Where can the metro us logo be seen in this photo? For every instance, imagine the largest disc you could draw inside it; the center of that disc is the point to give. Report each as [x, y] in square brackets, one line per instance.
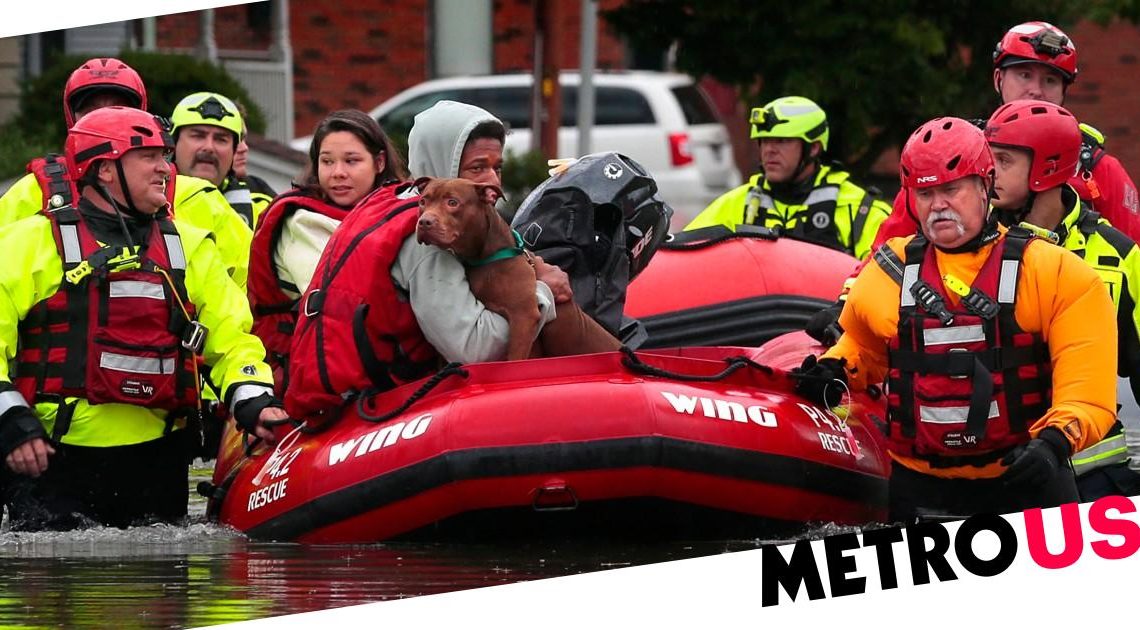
[721, 409]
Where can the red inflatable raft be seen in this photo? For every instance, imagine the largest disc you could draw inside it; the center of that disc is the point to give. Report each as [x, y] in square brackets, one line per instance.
[700, 442]
[717, 287]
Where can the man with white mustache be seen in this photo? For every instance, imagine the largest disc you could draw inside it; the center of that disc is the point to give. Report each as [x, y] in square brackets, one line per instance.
[941, 216]
[998, 348]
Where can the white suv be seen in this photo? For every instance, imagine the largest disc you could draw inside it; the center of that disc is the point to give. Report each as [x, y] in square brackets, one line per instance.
[661, 120]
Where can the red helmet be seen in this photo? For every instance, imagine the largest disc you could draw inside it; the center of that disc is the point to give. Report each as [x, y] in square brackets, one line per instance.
[1038, 42]
[1048, 132]
[103, 74]
[109, 132]
[943, 150]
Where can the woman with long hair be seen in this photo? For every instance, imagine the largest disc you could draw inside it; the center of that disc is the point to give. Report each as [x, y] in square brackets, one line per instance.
[350, 157]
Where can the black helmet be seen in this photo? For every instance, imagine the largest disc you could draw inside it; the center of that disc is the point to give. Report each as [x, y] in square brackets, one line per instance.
[619, 191]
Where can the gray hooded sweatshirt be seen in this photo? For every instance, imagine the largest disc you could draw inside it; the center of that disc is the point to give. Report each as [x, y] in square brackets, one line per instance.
[438, 136]
[451, 318]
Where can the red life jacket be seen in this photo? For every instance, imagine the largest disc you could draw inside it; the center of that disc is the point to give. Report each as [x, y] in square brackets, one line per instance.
[113, 332]
[965, 382]
[53, 172]
[356, 332]
[274, 312]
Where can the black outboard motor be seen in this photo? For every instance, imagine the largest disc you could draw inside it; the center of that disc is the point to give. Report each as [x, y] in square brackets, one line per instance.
[600, 220]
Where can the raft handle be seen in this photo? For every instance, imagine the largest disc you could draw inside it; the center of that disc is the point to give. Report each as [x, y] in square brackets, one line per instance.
[554, 496]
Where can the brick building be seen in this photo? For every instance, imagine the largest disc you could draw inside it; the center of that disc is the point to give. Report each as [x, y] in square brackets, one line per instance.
[1104, 94]
[358, 54]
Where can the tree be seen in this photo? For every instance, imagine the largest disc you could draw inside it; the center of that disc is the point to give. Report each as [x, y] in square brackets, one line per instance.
[879, 68]
[40, 128]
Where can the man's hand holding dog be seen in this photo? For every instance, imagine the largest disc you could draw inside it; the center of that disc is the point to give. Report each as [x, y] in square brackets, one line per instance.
[555, 278]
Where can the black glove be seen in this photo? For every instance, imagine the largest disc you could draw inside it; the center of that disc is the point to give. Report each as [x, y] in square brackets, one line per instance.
[19, 425]
[815, 380]
[824, 325]
[1037, 462]
[247, 411]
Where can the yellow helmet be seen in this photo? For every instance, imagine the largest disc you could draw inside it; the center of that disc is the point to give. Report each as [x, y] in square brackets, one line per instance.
[208, 108]
[790, 117]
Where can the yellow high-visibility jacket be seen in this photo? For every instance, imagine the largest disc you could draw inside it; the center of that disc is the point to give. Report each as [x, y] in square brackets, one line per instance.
[235, 357]
[837, 213]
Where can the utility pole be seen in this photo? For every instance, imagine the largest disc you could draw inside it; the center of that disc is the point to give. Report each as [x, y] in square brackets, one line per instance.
[589, 57]
[546, 102]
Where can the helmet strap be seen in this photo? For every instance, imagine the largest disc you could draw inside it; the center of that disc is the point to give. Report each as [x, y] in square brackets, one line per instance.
[806, 159]
[120, 209]
[130, 209]
[792, 191]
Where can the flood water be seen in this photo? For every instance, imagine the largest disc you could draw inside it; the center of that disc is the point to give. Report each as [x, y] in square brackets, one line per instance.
[171, 577]
[199, 575]
[177, 577]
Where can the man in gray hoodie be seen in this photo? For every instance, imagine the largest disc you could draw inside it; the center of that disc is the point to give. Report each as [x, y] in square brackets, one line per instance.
[453, 139]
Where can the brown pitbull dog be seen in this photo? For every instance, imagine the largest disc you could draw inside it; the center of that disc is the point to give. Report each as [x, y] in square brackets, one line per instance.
[459, 215]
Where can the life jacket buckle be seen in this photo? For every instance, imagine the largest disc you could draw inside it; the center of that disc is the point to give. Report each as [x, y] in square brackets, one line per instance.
[981, 305]
[958, 350]
[194, 338]
[931, 302]
[313, 302]
[105, 260]
[79, 272]
[125, 260]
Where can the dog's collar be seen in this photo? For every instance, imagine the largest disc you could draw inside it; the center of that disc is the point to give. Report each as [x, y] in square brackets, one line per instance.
[502, 254]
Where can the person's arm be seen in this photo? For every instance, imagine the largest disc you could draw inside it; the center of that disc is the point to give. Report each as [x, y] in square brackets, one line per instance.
[456, 324]
[260, 202]
[303, 239]
[1077, 320]
[23, 441]
[235, 357]
[202, 205]
[866, 326]
[859, 357]
[1128, 322]
[898, 223]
